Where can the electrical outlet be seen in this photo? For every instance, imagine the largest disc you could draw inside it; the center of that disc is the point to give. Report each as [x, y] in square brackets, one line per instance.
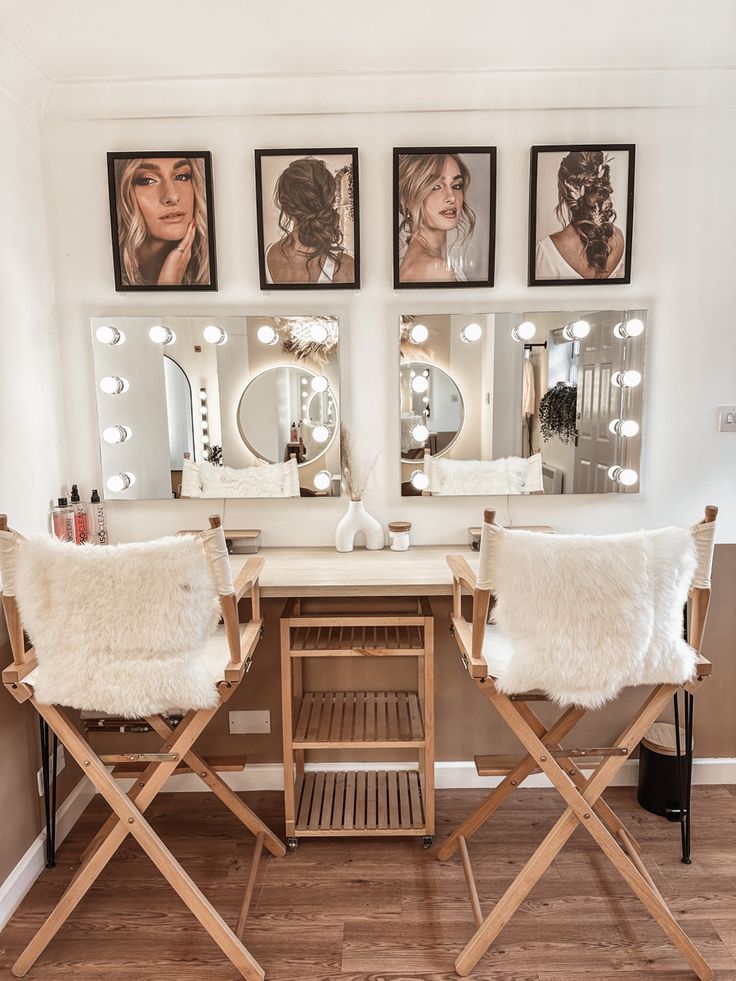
[727, 418]
[242, 722]
[60, 764]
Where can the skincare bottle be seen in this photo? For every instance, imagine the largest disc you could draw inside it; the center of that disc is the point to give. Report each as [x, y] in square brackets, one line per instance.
[99, 521]
[81, 518]
[62, 519]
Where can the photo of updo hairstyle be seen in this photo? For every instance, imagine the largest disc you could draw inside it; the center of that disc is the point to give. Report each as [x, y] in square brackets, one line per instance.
[305, 198]
[585, 201]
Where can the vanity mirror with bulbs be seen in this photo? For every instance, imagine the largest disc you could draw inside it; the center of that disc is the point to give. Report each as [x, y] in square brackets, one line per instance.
[510, 403]
[224, 407]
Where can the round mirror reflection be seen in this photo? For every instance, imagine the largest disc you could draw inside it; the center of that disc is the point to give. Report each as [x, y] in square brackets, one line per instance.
[432, 410]
[287, 411]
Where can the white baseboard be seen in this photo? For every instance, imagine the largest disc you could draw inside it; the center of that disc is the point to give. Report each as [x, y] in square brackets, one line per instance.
[25, 873]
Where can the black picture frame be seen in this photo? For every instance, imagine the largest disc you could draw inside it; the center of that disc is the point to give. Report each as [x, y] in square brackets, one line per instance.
[205, 258]
[352, 186]
[610, 150]
[487, 279]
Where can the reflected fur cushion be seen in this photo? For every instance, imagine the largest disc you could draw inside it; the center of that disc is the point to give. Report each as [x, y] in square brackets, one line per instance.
[119, 629]
[270, 480]
[587, 615]
[506, 475]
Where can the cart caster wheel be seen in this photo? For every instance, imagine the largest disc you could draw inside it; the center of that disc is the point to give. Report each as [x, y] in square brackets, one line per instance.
[426, 841]
[292, 844]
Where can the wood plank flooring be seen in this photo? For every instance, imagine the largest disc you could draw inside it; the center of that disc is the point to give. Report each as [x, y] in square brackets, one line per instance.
[385, 909]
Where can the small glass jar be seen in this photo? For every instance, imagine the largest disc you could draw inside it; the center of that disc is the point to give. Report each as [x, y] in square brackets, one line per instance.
[398, 535]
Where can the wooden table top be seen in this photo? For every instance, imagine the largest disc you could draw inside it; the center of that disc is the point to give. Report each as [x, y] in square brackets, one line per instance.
[299, 571]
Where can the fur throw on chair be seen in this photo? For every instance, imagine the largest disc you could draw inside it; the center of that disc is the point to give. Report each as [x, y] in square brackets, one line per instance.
[588, 615]
[119, 629]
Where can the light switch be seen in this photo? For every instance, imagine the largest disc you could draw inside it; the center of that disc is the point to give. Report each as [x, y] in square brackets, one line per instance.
[727, 418]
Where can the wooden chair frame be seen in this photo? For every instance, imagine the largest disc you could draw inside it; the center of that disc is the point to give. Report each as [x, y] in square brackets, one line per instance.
[129, 809]
[582, 795]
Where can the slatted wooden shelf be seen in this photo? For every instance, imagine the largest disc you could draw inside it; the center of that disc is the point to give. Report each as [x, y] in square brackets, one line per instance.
[357, 640]
[355, 718]
[383, 802]
[230, 764]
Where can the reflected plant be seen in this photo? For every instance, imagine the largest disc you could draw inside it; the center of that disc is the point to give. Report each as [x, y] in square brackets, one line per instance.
[214, 455]
[558, 413]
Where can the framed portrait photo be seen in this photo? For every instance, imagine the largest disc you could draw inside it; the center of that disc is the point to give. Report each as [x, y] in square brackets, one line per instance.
[444, 216]
[308, 219]
[581, 212]
[162, 218]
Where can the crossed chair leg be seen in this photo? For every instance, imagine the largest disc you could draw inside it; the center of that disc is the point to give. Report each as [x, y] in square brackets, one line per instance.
[585, 807]
[128, 818]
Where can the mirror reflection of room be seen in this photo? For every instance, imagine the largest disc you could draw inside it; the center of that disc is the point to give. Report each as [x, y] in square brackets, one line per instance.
[218, 407]
[508, 403]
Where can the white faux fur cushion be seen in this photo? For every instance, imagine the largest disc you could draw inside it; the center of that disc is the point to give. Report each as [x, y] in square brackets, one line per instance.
[191, 479]
[270, 480]
[507, 475]
[119, 629]
[587, 615]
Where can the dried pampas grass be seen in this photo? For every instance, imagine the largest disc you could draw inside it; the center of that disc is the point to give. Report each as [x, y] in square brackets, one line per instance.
[355, 475]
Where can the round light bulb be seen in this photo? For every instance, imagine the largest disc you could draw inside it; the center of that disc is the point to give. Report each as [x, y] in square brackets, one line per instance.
[419, 480]
[420, 383]
[160, 334]
[109, 335]
[419, 433]
[624, 427]
[418, 334]
[524, 332]
[113, 385]
[321, 434]
[576, 331]
[471, 333]
[116, 434]
[214, 334]
[621, 476]
[120, 482]
[626, 379]
[629, 328]
[318, 333]
[267, 335]
[319, 384]
[322, 480]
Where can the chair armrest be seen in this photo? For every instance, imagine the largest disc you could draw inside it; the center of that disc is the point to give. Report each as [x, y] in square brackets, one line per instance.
[462, 572]
[248, 577]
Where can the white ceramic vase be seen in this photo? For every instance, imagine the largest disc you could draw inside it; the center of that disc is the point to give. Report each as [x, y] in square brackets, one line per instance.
[352, 523]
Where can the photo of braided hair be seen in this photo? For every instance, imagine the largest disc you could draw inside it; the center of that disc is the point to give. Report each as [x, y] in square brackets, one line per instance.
[585, 200]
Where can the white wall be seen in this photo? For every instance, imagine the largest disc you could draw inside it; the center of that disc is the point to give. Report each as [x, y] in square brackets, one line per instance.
[682, 258]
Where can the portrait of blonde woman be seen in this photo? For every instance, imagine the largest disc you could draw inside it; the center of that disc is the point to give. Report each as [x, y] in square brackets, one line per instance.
[444, 202]
[162, 226]
[581, 215]
[308, 223]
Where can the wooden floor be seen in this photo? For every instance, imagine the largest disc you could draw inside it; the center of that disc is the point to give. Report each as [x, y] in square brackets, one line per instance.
[385, 909]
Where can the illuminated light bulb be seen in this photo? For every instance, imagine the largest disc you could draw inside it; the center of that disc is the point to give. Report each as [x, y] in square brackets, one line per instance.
[621, 476]
[267, 335]
[524, 332]
[321, 434]
[426, 372]
[418, 334]
[304, 381]
[419, 480]
[109, 335]
[322, 480]
[626, 379]
[318, 333]
[214, 334]
[629, 328]
[471, 333]
[116, 434]
[205, 425]
[161, 334]
[420, 383]
[203, 410]
[120, 482]
[624, 427]
[205, 440]
[425, 399]
[113, 385]
[320, 384]
[576, 331]
[419, 433]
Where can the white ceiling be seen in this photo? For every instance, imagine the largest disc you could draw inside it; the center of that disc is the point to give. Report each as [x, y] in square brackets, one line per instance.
[81, 40]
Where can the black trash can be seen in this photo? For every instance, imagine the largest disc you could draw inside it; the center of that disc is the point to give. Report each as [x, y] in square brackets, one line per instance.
[659, 776]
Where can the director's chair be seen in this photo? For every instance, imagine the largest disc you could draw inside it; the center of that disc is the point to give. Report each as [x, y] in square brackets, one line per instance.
[488, 650]
[141, 661]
